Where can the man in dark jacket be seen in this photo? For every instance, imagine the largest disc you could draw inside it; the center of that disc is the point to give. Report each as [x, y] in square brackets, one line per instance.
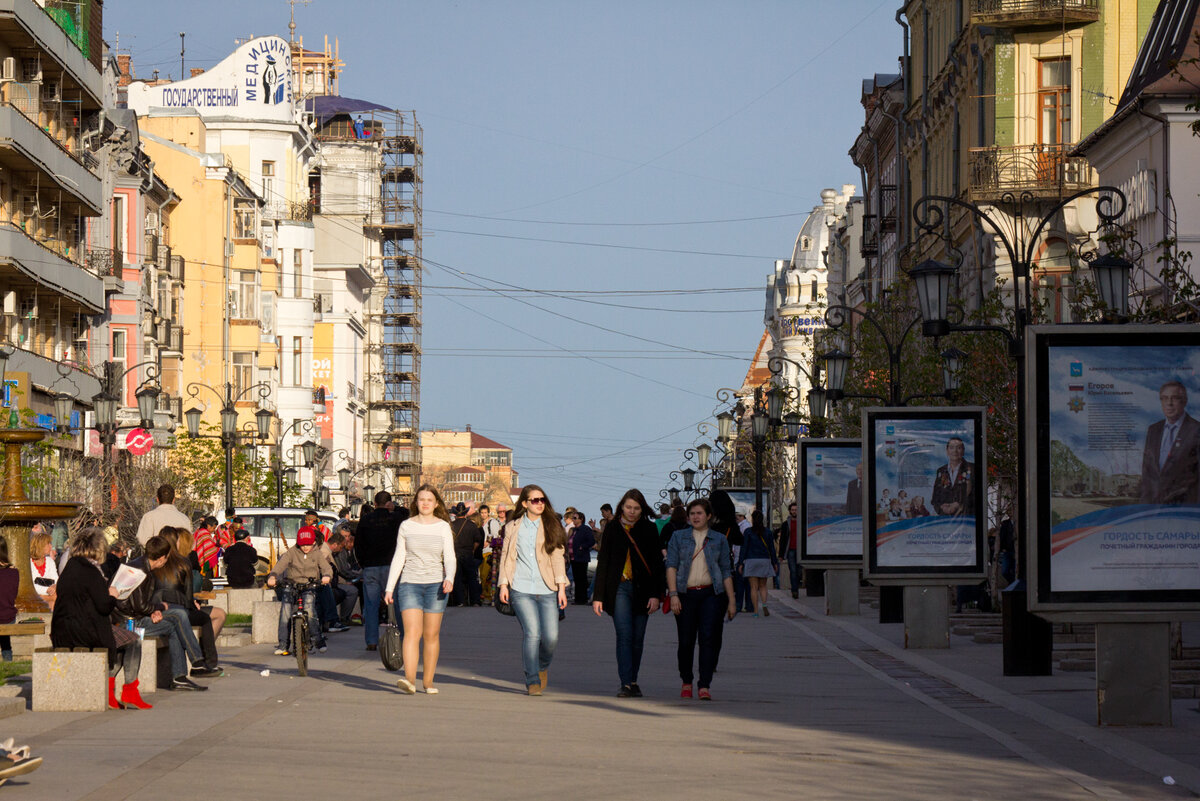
[374, 545]
[583, 542]
[468, 542]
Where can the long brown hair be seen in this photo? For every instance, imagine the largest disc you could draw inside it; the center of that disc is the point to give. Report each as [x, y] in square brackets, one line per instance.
[175, 570]
[552, 528]
[638, 498]
[439, 511]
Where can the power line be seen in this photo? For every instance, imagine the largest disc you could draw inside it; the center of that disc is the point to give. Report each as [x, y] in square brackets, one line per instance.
[618, 224]
[602, 245]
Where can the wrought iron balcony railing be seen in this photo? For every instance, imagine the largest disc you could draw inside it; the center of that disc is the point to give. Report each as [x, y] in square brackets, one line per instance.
[1041, 170]
[1029, 13]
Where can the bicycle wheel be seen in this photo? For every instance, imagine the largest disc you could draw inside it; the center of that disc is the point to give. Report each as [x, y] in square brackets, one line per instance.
[300, 643]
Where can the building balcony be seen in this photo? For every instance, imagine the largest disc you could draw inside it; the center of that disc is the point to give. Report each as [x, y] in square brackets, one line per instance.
[870, 235]
[49, 268]
[25, 145]
[28, 26]
[1043, 171]
[1033, 13]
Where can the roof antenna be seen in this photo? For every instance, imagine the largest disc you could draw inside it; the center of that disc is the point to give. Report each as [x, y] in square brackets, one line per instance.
[292, 20]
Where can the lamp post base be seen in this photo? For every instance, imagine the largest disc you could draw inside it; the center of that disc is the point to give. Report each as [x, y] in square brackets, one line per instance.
[891, 604]
[1028, 639]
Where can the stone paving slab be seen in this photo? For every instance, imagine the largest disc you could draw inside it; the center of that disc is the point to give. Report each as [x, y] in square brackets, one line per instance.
[805, 707]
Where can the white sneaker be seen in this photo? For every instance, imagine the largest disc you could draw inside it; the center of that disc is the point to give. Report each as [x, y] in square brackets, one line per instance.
[281, 652]
[321, 649]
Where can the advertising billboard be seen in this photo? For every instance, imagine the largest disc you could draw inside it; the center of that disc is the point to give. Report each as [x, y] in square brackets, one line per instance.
[1114, 467]
[830, 503]
[925, 503]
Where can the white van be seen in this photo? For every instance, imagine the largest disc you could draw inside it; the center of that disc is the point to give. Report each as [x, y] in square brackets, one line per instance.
[274, 527]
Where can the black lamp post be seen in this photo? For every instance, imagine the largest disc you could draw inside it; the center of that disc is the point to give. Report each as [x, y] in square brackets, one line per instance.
[260, 429]
[299, 428]
[1028, 639]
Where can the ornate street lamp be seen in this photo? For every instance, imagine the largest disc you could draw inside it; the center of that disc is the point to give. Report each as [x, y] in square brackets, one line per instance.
[263, 419]
[791, 421]
[837, 361]
[146, 396]
[1110, 273]
[725, 426]
[953, 361]
[309, 449]
[63, 404]
[817, 399]
[689, 476]
[932, 281]
[228, 422]
[192, 418]
[344, 479]
[703, 452]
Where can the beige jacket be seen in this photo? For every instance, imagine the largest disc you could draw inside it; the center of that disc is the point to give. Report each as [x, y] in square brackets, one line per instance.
[552, 566]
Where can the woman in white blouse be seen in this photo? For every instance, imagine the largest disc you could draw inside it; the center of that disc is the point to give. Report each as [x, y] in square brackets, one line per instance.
[424, 565]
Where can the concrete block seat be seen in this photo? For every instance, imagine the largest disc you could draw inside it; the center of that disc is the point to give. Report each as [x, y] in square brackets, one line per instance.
[241, 601]
[67, 680]
[265, 623]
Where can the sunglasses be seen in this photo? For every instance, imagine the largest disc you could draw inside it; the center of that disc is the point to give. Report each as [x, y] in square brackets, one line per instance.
[535, 500]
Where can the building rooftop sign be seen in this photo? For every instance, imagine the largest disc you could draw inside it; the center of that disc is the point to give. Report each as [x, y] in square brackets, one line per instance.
[253, 83]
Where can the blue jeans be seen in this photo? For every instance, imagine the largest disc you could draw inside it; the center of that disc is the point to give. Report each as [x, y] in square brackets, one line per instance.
[288, 599]
[373, 579]
[630, 624]
[793, 571]
[327, 606]
[700, 617]
[741, 592]
[538, 616]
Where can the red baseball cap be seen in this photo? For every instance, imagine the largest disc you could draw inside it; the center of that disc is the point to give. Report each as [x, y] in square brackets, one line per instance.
[307, 535]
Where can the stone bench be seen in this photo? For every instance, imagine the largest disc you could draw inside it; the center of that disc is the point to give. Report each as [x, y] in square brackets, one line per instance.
[265, 623]
[241, 602]
[23, 636]
[70, 680]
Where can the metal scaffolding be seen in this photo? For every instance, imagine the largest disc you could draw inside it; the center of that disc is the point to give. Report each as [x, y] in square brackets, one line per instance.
[394, 307]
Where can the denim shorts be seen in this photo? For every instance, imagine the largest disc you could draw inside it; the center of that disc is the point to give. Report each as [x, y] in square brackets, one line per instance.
[426, 597]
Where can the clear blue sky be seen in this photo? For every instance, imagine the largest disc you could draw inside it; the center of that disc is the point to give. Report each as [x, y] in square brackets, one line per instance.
[664, 147]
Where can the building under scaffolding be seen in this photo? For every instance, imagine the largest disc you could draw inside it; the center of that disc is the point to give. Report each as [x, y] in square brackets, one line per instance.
[367, 211]
[394, 309]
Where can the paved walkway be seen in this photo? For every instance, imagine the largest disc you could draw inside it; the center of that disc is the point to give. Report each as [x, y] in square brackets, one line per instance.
[806, 706]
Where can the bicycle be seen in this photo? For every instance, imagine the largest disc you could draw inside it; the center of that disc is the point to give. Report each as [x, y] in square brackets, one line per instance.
[299, 639]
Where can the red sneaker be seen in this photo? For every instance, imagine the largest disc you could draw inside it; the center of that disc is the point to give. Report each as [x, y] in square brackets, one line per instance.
[686, 692]
[704, 694]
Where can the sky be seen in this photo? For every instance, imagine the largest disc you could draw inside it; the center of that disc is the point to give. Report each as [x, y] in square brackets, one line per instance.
[606, 189]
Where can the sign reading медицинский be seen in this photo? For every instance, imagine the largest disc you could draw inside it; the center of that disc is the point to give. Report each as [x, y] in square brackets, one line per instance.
[1116, 466]
[253, 82]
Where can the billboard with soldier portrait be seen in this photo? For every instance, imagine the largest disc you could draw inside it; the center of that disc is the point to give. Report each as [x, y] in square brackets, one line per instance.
[925, 503]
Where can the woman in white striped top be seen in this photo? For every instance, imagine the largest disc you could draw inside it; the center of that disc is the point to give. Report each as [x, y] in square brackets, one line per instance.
[424, 564]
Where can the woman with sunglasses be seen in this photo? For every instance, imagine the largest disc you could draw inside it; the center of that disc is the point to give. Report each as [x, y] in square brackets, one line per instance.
[533, 578]
[630, 580]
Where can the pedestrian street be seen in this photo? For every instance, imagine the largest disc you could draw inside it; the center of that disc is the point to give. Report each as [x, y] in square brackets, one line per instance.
[804, 707]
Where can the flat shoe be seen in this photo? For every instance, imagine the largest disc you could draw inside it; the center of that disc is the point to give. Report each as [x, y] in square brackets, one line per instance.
[19, 768]
[406, 686]
[534, 689]
[431, 690]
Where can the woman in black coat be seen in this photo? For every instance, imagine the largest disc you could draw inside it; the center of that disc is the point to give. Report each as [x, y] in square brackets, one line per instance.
[81, 617]
[630, 583]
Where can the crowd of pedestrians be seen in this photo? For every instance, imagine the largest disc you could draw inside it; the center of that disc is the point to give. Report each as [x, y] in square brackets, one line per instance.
[702, 563]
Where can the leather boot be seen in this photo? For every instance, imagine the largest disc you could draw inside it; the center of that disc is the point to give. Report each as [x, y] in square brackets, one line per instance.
[113, 703]
[131, 696]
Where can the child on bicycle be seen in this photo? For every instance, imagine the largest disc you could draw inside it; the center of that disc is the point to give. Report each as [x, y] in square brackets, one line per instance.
[300, 563]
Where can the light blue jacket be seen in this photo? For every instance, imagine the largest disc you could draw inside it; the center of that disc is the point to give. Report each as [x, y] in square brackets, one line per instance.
[716, 555]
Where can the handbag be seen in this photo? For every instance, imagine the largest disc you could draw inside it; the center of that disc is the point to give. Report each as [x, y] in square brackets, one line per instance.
[503, 607]
[391, 642]
[665, 600]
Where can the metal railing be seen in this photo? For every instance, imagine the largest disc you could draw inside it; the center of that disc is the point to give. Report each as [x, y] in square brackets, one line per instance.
[1039, 169]
[1027, 11]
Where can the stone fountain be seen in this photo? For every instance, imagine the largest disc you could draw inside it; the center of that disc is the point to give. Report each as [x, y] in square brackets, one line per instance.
[18, 513]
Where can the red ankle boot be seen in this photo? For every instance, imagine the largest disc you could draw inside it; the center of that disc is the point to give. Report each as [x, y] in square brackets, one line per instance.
[131, 696]
[113, 703]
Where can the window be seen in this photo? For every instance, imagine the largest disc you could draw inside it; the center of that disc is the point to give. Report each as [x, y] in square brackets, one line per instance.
[164, 295]
[297, 361]
[245, 295]
[297, 273]
[268, 182]
[1054, 101]
[243, 218]
[118, 359]
[267, 318]
[243, 371]
[267, 238]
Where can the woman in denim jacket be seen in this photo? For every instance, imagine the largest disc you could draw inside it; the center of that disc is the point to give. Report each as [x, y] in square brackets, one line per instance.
[699, 582]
